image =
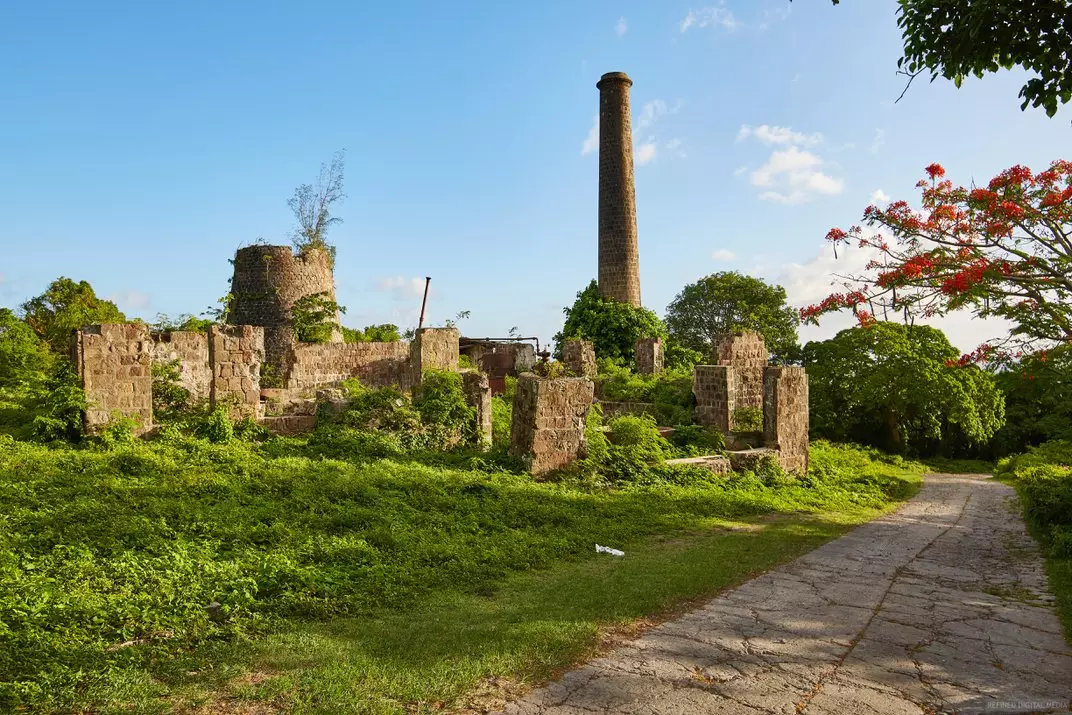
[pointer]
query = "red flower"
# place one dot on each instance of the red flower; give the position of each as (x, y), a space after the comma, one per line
(835, 234)
(935, 170)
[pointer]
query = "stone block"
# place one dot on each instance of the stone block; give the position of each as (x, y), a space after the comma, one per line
(579, 357)
(235, 355)
(785, 416)
(649, 356)
(715, 389)
(477, 390)
(746, 352)
(112, 363)
(547, 431)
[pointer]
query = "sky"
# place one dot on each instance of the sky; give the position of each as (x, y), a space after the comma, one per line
(141, 144)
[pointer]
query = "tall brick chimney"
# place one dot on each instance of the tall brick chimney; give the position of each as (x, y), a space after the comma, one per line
(619, 261)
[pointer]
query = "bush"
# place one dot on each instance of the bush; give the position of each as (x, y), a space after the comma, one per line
(611, 326)
(697, 440)
(502, 415)
(748, 419)
(669, 393)
(1055, 452)
(170, 398)
(216, 427)
(1046, 491)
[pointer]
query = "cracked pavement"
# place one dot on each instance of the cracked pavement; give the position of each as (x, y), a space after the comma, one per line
(939, 607)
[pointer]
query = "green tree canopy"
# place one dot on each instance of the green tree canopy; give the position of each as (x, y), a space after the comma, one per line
(67, 306)
(721, 303)
(24, 359)
(1038, 400)
(612, 327)
(957, 38)
(900, 388)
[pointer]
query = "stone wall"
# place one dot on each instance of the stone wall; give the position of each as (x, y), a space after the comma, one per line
(433, 349)
(267, 281)
(649, 356)
(785, 416)
(235, 353)
(579, 357)
(715, 388)
(619, 262)
(477, 390)
(547, 431)
(747, 353)
(375, 364)
(113, 362)
(190, 349)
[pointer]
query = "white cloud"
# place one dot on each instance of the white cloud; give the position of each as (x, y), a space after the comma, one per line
(591, 142)
(646, 153)
(723, 254)
(740, 170)
(878, 141)
(771, 135)
(793, 176)
(653, 111)
(622, 27)
(131, 300)
(878, 196)
(715, 15)
(401, 288)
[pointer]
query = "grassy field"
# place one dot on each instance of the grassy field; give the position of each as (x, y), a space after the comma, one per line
(191, 576)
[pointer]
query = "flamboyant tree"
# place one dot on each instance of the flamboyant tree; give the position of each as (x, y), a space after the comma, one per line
(1000, 251)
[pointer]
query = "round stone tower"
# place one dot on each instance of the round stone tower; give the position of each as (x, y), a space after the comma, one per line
(619, 260)
(267, 281)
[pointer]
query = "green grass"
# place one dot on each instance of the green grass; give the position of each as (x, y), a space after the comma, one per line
(366, 587)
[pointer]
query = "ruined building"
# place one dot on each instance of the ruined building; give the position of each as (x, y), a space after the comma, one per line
(256, 368)
(619, 260)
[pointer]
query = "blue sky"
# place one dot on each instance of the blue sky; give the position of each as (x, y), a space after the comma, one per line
(142, 143)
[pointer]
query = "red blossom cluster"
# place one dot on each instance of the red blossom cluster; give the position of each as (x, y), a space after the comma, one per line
(983, 353)
(837, 301)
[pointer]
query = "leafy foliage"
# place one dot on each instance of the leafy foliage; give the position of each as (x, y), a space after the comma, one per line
(722, 303)
(748, 419)
(1038, 400)
(24, 358)
(315, 318)
(957, 38)
(893, 386)
(58, 413)
(182, 322)
(1001, 251)
(312, 207)
(170, 398)
(66, 306)
(611, 326)
(385, 333)
(669, 393)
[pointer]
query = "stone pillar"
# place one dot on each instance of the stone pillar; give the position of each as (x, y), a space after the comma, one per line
(579, 357)
(433, 349)
(619, 259)
(649, 356)
(547, 431)
(785, 416)
(113, 361)
(746, 353)
(235, 353)
(190, 349)
(477, 390)
(715, 390)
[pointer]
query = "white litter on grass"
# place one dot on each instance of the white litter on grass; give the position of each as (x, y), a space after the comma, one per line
(608, 550)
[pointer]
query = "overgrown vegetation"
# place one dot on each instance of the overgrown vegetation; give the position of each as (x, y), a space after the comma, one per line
(316, 318)
(385, 333)
(1043, 478)
(118, 560)
(611, 326)
(669, 393)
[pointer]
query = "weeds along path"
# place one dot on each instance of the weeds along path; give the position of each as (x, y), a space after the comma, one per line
(941, 606)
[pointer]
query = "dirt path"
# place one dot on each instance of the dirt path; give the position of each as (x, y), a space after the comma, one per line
(940, 607)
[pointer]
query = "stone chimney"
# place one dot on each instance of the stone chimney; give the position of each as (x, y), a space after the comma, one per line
(619, 261)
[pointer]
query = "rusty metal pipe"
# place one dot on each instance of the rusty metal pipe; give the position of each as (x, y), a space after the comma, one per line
(424, 301)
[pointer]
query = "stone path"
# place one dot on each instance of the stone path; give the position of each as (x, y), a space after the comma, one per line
(940, 607)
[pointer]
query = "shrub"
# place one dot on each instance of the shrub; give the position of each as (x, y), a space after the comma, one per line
(697, 440)
(502, 414)
(445, 414)
(315, 318)
(748, 419)
(119, 430)
(58, 415)
(613, 327)
(216, 427)
(669, 393)
(1053, 452)
(170, 398)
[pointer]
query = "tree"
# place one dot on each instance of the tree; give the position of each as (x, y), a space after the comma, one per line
(957, 38)
(25, 360)
(721, 303)
(64, 307)
(1003, 251)
(611, 326)
(312, 206)
(1038, 400)
(900, 388)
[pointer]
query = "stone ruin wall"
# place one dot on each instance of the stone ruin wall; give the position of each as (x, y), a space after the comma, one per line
(375, 364)
(235, 353)
(114, 364)
(190, 350)
(547, 431)
(649, 356)
(746, 353)
(477, 388)
(785, 416)
(267, 281)
(579, 357)
(715, 388)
